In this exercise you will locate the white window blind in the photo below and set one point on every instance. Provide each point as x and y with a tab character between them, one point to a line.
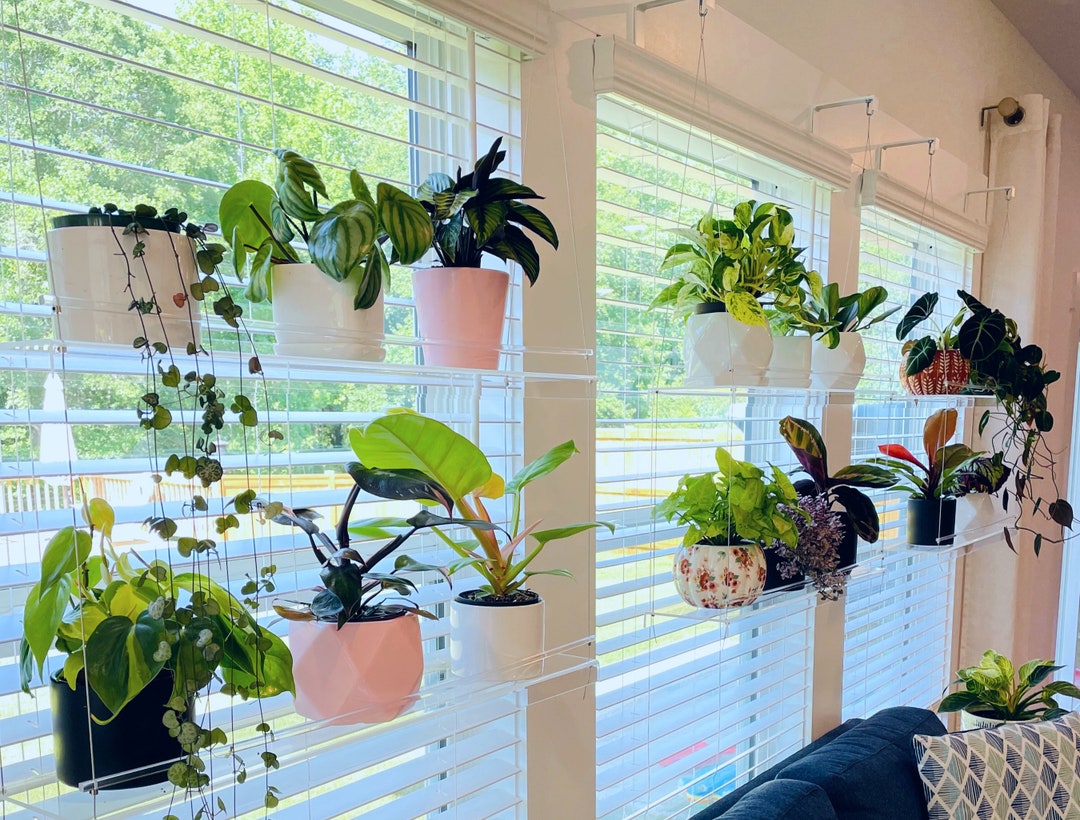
899	610
169	103
688	703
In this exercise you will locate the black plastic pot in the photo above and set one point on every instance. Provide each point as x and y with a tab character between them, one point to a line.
848	548
710	307
931	522
773	579
135	738
113	221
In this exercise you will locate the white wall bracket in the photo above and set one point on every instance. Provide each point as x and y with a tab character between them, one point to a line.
869	100
932	143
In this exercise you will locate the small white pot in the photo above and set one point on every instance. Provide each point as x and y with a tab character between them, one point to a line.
972	721
790	362
89	259
314	316
977	513
718	350
496	641
839	368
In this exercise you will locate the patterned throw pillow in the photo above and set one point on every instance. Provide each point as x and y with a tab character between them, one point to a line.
1020	771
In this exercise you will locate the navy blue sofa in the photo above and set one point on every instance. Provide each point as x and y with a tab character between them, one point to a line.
861	770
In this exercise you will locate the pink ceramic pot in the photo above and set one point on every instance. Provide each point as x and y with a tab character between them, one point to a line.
717	577
366	672
459	315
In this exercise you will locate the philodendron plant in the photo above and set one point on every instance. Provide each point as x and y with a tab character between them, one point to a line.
354	587
842	487
837	314
740	263
478	213
994	689
260	222
406	455
120	626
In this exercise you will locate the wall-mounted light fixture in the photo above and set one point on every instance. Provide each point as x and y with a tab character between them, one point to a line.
1009	108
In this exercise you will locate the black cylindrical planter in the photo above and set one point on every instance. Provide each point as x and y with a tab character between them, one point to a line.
133	739
931	522
848	548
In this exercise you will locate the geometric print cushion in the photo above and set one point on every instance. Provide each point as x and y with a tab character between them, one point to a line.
1019	771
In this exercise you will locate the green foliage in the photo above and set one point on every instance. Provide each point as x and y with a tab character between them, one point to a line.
407	455
994	689
937	477
477	213
836	314
740	500
347	240
743	263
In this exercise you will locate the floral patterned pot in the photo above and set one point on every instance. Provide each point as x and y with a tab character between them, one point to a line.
946	375
721	576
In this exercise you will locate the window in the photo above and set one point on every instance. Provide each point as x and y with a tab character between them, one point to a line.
170	102
900	605
688	703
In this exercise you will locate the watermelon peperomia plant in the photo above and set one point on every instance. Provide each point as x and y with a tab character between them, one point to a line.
260	222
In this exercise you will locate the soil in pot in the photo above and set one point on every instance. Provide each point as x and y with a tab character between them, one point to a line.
931	522
134	739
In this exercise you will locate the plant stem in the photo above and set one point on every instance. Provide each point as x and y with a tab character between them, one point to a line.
270	232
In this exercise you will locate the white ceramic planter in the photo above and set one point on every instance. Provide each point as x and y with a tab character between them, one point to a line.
972	721
718	577
718	350
839	368
89	266
367	672
496	641
314	316
460	314
978	514
789	365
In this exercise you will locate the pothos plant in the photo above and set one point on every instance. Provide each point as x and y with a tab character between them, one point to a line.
186	391
745	263
407	455
348	239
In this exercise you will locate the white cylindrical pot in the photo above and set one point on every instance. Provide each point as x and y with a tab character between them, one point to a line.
969	720
977	514
719	350
496	641
839	368
314	316
790	362
91	266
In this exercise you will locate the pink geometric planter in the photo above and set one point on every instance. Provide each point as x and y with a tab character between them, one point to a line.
366	672
459	315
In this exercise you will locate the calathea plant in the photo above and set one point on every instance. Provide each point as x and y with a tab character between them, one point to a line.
745	263
477	213
347	239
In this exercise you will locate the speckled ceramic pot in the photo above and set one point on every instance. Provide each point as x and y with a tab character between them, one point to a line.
717	577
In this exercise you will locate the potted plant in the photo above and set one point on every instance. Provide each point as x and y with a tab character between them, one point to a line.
333	304
840	492
358	657
995	693
931	510
731	515
932	364
460	307
1015	374
107	259
821	532
726	269
975	486
144	640
498	626
838	361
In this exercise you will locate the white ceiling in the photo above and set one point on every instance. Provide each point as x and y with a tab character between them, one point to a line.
1053	28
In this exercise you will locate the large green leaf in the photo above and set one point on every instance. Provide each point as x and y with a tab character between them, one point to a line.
534	220
341	239
485	218
923	307
65	551
371	279
921	356
45	608
558	533
405	222
862	514
864	475
295	175
745	308
239	224
541	466
273	661
120	658
408	441
981	335
514	245
413	485
809	448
